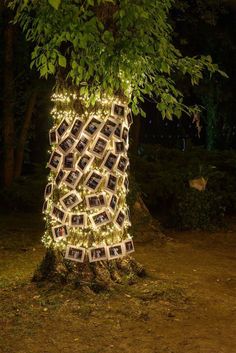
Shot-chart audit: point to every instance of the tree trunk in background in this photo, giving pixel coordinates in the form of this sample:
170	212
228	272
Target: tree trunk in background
135	135
24	133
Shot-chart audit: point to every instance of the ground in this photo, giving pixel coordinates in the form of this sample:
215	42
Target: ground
186	304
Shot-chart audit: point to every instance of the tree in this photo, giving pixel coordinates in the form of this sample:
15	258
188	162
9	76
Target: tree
106	56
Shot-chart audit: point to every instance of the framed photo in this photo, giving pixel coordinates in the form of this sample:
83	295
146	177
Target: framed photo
126	183
112	203
128	246
70	200
122	164
66	145
82	144
48	190
64	125
55	160
129	118
119	219
68	161
100	219
76	128
58	214
125	134
93	180
72	179
115	251
99	147
97	253
119	147
53	137
60	232
108	128
78	220
96	200
109	161
74	253
92	126
45	206
118	131
59	177
111	183
119	110
85	161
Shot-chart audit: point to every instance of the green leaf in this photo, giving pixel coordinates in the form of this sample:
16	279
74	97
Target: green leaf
62	61
55	3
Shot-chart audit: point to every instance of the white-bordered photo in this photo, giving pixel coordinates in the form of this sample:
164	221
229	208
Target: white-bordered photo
97	253
92	126
75	253
59	177
82	144
125	134
78	220
119	219
111	183
68	161
45	206
76	128
96	200
55	160
119	110
129	118
72	179
93	180
60	232
58	214
48	190
126	183
128	246
109	161
99	147
62	128
122	164
119	147
85	161
108	128
112	203
115	251
70	200
66	145
100	218
118	131
53	137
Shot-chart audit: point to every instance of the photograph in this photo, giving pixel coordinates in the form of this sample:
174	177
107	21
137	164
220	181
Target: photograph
109	161
62	127
48	190
97	253
129	118
126	183
129	246
96	200
93	180
100	219
59	177
74	253
58	214
82	144
122	164
118	110
118	131
92	126
125	134
99	147
68	161
45	206
111	183
119	147
78	220
108	128
85	161
115	251
72	179
55	160
119	219
67	144
76	128
112	203
53	137
60	232
70	200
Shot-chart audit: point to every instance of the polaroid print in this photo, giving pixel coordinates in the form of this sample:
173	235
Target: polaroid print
85	161
72	179
108	128
129	118
99	147
62	127
93	180
126	183
60	232
68	161
119	147
82	144
92	126
48	190
125	134
75	253
97	253
45	206
112	203
96	200
70	200
66	145
118	131
78	220
128	246
100	219
109	161
115	251
76	128
111	183
58	214
59	177
120	219
119	110
53	137
55	160
122	164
